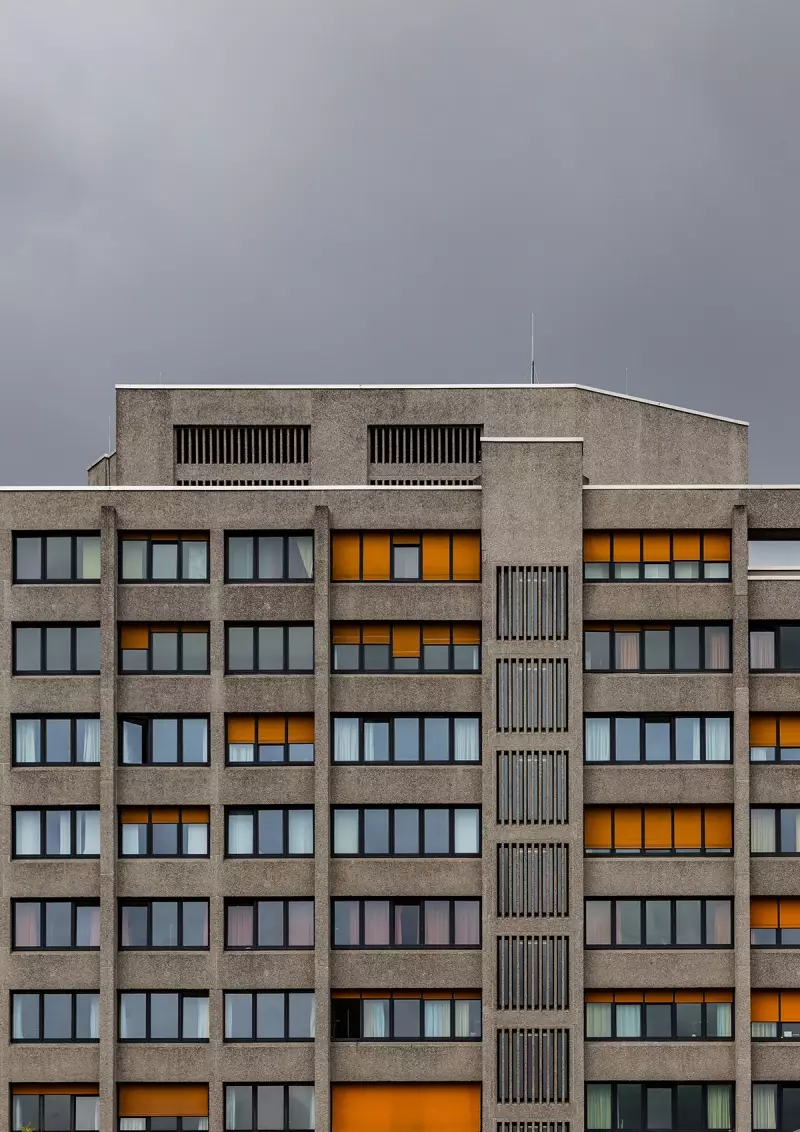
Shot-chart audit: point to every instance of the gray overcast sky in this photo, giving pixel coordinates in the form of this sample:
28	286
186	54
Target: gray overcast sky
277	191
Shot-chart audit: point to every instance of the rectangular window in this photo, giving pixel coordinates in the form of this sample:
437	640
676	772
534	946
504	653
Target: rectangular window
407	923
269	831
774	922
774	830
645	1106
67	1108
269	739
406	831
179	1108
55	1016
659	1015
269	1016
283	1107
657	738
55	740
658	830
636	923
775	738
775	1015
621	647
163	1016
163	831
163	925
270	556
56	557
269	648
163	649
160	557
776	1106
406	647
57	650
268	925
774	648
406	1016
163	740
55	925
407	739
392	556
65	831
656	556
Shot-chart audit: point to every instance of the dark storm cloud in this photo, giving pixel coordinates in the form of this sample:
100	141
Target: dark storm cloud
331	191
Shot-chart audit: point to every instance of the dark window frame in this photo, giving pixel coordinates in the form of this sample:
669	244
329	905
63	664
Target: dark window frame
779	930
253	903
149	855
147	903
254	1014
287	745
389	1037
41	1040
392	577
43	717
254	1086
254	626
673	1086
451	855
254	811
179	1121
178	541
658	717
779	1088
42	810
255	536
71	1096
672	946
182	994
378	717
43	901
147	736
422	670
73	580
777	810
673	1035
180	632
671	852
658	626
701	561
401	901
775	628
42	626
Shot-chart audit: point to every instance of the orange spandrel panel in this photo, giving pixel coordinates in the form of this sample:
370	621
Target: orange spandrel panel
242	729
763	913
376	555
719	827
397	1108
346	556
301	728
272	729
596	547
627	547
657	827
436	557
597	828
163	1100
628	827
467	557
135	636
656	547
685	547
688	827
789	734
763	731
763	1006
717	546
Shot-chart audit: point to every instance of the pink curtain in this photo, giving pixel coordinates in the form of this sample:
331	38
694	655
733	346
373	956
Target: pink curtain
467	923
627	646
94	927
301	923
240	925
718	647
376	923
27	925
437	923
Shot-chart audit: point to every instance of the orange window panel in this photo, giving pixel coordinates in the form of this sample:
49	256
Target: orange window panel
687	827
433	634
717	546
763	913
345	633
719	828
163	815
406	1108
375	994
346	557
627	547
162	627
376	553
406	539
163	1100
466	633
437	995
628	827
656	548
657	827
685	548
301	728
596	548
197	815
189	627
135	636
133	816
597	828
436	557
790	913
406	994
789	731
242	729
763	731
375	633
467	557
164	537
55	1090
405	640
719	996
599	996
272	729
658	996
195	538
689	996
790	1006
764	1006
628	996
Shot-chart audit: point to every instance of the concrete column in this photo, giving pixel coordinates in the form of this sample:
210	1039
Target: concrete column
216	923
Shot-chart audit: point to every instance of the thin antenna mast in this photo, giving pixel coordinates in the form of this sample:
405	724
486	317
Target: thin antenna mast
533	351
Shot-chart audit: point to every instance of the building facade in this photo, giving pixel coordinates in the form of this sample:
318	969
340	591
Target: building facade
401	759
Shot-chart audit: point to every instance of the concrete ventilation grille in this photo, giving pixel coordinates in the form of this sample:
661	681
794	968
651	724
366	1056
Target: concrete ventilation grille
532	880
241	444
532	1066
533	1126
532	972
532	787
532	603
424	483
242	483
532	694
425	444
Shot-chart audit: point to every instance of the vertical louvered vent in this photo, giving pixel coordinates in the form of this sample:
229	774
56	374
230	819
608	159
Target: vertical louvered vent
532	603
532	880
533	1126
532	788
425	444
532	972
532	1066
531	694
241	444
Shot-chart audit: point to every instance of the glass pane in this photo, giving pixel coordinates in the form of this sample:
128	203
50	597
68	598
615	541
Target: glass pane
27	924
270	1107
133	926
687	923
194	652
87	740
163	1016
57	649
270	832
345	923
659	1107
467	739
301	648
790	819
28	741
597	653
240	648
87	926
195	923
195	740
687	647
301	832
165	652
466	824
165	923
270	648
239	1108
407	925
657	923
595	571
627	652
301	556
376	831
239	1015
406	739
790	649
87	1008
376	659
132	1016
29	559
629	923
376	741
301	1015
466	658
656	741
467	915
407	1018
25	1008
436	829
687	739
28	655
56	1112
791	1107
717	647
165	740
165	561
598	923
164	839
270	923
57	1017
406	832
57	738
301	923
405	562
240	558
58	834
58	923
345	658
345	831
134	560
658	1019
87	649
437	738
689	1019
627	737
656	650
301	1106
194	563
718	922
270	557
376	923
437	923
58	558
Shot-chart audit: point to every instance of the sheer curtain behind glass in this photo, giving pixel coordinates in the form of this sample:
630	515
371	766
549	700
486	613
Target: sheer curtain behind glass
88	740
598	740
719	1106
467	741
598	1106
345	739
27	740
765	1108
762	831
375	1012
598	1020
718	740
437	1018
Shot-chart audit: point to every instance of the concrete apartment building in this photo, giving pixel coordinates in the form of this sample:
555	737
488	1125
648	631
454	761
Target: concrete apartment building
402	759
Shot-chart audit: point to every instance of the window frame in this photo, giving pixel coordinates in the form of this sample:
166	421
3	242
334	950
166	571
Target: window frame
43	901
179	1125
180	632
72	1040
43	626
657	717
42	718
148	1018
394	902
641	628
152	537
147	902
149	855
779	1088
392	809
254	1086
253	903
389	718
287	743
778	929
42	810
778	1037
255	536
147	735
254	811
73	1095
407	996
401	534
254	626
701	561
614	851
673	1086
643	1036
421	670
775	628
255	1040
776	810
672	945
73	579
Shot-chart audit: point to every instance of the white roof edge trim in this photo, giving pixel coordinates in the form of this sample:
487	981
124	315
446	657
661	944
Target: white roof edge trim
451	385
687	486
254	487
531	440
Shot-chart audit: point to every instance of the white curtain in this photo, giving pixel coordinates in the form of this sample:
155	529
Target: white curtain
762	831
687	737
195	1018
345	831
240	834
89	748
19	1029
62	819
132	1123
87	833
462	1020
27	745
194	559
765	1106
598	1020
466	831
598	740
28	840
241	752
467	740
437	1018
762	754
718	740
629	1020
723	1013
345	740
305	548
763	1029
195	838
719	1106
301	832
375	1011
87	1114
370	746
598	1106
94	1017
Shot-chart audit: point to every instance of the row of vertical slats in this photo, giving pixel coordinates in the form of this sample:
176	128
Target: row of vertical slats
532	879
425	444
532	603
532	1066
424	483
241	444
532	972
532	788
532	694
242	483
533	1126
